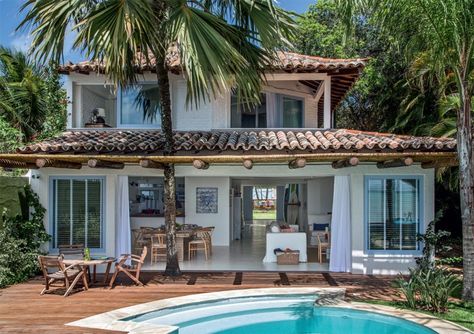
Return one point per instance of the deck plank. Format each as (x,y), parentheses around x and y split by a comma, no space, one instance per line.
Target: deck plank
(23,310)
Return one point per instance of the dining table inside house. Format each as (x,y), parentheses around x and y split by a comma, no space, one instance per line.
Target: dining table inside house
(183,237)
(93,262)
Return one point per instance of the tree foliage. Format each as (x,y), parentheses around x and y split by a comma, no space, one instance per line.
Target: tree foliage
(439,35)
(32,101)
(21,239)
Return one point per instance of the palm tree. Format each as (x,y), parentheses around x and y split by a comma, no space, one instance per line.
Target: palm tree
(442,33)
(221,44)
(23,103)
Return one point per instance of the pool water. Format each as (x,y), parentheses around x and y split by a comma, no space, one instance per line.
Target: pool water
(287,314)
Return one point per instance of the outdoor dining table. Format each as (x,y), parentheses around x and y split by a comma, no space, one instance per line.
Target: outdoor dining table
(85,264)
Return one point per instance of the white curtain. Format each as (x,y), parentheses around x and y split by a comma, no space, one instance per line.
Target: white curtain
(122,218)
(340,256)
(272,121)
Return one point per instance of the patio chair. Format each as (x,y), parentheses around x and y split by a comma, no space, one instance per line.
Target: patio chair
(68,275)
(72,252)
(133,270)
(158,247)
(201,242)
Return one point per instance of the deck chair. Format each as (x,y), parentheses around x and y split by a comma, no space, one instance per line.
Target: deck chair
(54,270)
(72,252)
(132,271)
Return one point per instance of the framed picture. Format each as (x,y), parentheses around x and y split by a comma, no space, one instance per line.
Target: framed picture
(206,200)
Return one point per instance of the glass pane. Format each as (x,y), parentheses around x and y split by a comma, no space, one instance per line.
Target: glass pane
(409,213)
(235,113)
(375,214)
(62,216)
(243,116)
(78,212)
(392,215)
(292,112)
(94,213)
(134,102)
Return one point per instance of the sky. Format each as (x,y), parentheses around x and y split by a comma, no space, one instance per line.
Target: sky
(10,17)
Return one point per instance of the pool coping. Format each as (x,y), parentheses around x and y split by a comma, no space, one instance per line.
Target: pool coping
(333,297)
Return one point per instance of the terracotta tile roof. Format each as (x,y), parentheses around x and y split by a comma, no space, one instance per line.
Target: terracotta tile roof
(288,61)
(143,142)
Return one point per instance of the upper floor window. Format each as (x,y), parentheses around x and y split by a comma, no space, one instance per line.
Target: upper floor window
(274,111)
(138,106)
(393,212)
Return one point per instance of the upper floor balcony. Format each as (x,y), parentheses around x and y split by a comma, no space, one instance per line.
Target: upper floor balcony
(301,93)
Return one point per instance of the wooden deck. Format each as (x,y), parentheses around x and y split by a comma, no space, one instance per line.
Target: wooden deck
(23,310)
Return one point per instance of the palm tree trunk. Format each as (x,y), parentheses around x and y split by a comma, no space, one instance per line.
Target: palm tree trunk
(466,180)
(172,264)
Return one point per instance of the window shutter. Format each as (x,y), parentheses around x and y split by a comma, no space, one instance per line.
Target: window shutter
(94,213)
(375,214)
(62,221)
(77,212)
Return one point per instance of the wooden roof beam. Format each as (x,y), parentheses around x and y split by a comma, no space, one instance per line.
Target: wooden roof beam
(297,163)
(147,163)
(402,162)
(248,163)
(351,162)
(200,164)
(97,163)
(7,163)
(44,163)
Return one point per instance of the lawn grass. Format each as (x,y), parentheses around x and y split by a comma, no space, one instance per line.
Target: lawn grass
(459,312)
(264,214)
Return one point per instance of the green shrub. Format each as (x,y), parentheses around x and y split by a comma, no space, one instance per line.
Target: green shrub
(429,288)
(21,239)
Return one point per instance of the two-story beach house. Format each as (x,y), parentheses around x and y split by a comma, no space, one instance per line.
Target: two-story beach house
(364,195)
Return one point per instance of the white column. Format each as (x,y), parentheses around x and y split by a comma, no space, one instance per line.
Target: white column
(327,103)
(70,106)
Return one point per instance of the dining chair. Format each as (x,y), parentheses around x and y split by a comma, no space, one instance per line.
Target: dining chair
(133,270)
(201,242)
(54,270)
(323,246)
(210,231)
(158,247)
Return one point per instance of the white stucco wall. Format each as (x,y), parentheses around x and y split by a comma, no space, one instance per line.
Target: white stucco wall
(220,177)
(320,193)
(221,219)
(213,114)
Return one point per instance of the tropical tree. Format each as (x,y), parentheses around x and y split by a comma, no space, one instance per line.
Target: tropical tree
(442,33)
(221,44)
(32,100)
(22,102)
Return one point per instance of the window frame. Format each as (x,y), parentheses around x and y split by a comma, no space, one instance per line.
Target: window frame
(420,227)
(52,225)
(278,103)
(118,108)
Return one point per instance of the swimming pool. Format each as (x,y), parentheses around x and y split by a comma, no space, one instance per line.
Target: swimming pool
(276,314)
(285,310)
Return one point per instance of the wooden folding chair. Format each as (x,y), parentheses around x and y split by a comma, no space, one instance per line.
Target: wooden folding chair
(68,275)
(75,251)
(132,271)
